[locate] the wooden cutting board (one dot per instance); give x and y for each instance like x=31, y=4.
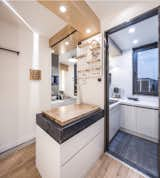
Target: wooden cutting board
x=66, y=114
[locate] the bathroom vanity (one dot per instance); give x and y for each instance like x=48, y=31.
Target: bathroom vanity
x=69, y=140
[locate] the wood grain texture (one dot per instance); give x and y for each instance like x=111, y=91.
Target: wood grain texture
x=69, y=34
x=67, y=114
x=68, y=29
x=35, y=74
x=63, y=67
x=79, y=15
x=61, y=47
x=21, y=164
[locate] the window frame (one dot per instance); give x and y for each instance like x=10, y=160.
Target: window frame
x=134, y=68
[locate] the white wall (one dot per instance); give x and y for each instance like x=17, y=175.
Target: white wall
x=91, y=91
x=69, y=82
x=121, y=72
x=122, y=76
x=20, y=98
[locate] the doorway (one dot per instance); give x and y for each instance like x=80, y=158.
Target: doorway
x=131, y=92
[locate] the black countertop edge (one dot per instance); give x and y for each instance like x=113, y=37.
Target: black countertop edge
x=63, y=133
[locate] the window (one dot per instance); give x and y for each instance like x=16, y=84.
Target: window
x=145, y=70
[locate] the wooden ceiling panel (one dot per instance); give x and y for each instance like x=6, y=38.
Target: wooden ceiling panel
x=62, y=34
x=72, y=40
x=79, y=15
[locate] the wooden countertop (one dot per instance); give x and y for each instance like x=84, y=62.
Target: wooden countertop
x=66, y=114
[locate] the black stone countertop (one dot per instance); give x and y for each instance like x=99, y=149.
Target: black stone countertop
x=63, y=133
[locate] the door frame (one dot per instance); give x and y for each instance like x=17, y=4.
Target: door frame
x=139, y=18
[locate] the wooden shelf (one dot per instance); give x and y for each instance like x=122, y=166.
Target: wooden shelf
x=96, y=68
x=94, y=61
x=81, y=56
x=86, y=70
x=96, y=48
x=89, y=77
x=83, y=45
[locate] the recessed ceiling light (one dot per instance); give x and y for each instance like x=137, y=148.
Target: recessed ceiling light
x=63, y=9
x=131, y=30
x=135, y=41
x=66, y=43
x=88, y=30
x=72, y=60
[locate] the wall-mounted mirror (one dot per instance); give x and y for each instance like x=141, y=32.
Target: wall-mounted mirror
x=64, y=72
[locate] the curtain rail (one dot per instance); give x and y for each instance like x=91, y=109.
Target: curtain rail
x=9, y=50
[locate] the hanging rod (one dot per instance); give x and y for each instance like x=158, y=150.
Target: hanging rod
x=10, y=50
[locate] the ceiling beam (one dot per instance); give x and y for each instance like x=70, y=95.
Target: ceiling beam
x=60, y=46
x=78, y=14
x=61, y=35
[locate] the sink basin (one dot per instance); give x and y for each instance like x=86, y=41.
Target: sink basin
x=112, y=102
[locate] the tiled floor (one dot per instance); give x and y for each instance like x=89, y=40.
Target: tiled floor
x=137, y=152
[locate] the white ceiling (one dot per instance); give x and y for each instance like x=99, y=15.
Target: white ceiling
x=114, y=12
x=146, y=32
x=6, y=15
x=108, y=8
x=38, y=17
x=46, y=23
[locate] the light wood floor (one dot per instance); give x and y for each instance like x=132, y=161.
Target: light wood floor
x=21, y=164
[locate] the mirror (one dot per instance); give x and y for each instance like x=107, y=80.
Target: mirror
x=64, y=78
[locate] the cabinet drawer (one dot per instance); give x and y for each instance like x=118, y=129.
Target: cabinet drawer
x=76, y=143
x=82, y=162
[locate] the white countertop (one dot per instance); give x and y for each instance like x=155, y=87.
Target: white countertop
x=111, y=106
x=140, y=103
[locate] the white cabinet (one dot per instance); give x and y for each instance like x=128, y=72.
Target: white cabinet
x=114, y=121
x=128, y=117
x=147, y=122
x=73, y=158
x=141, y=121
x=81, y=163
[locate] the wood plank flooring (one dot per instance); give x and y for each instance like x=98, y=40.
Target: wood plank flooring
x=21, y=164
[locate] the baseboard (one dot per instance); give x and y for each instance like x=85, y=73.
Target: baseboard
x=16, y=142
x=139, y=135
x=16, y=148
